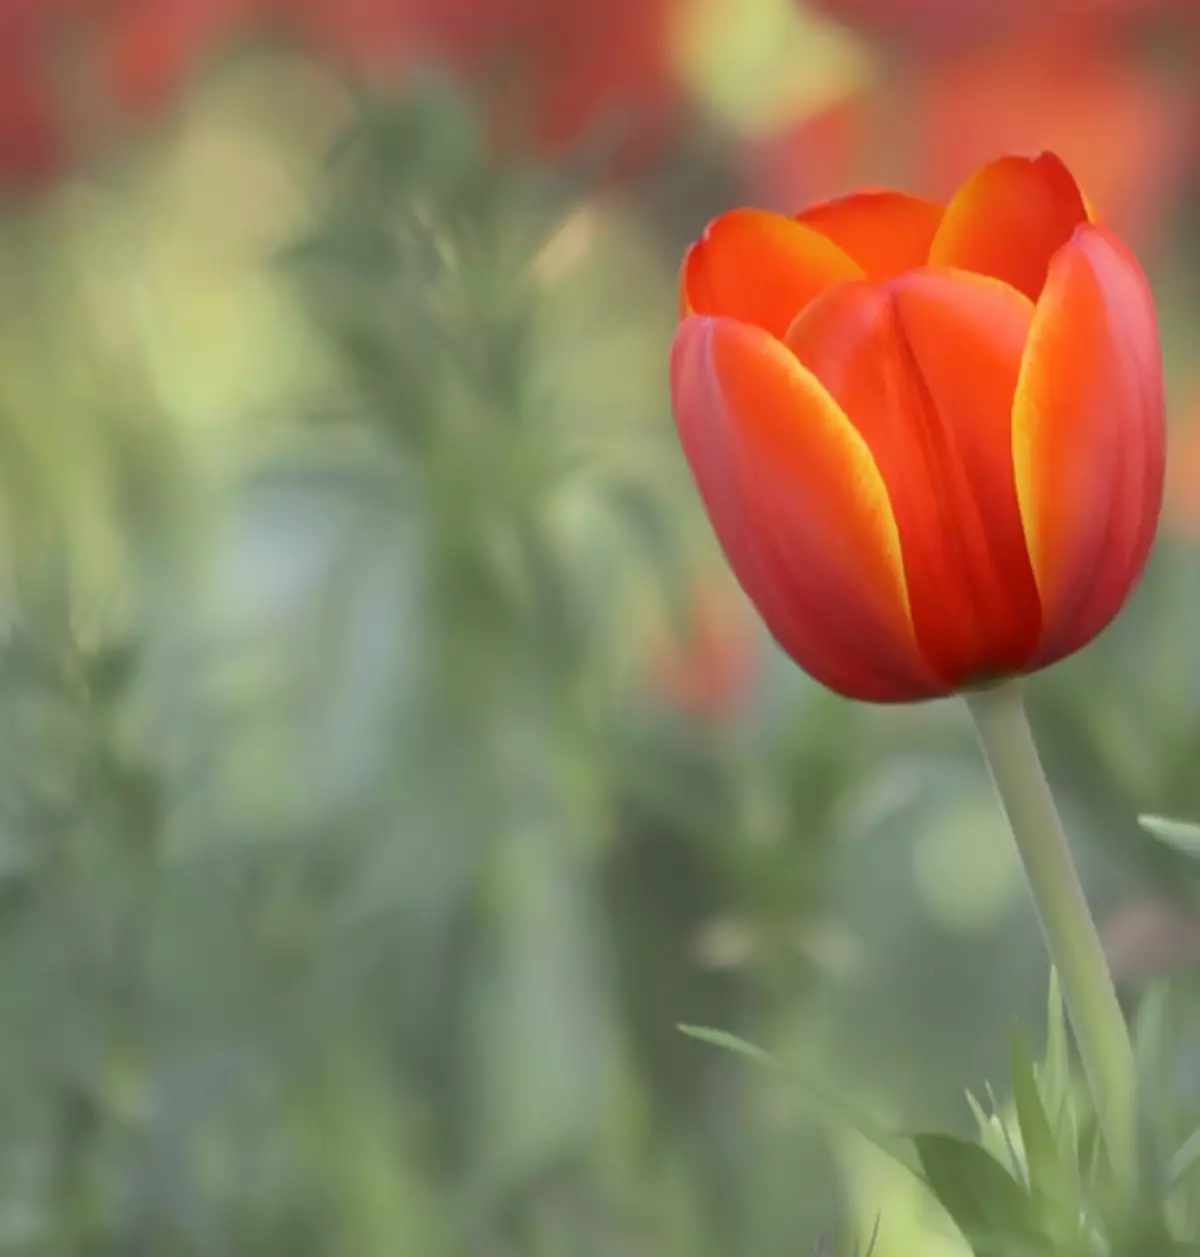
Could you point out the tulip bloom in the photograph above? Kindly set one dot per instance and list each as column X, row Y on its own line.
column 930, row 440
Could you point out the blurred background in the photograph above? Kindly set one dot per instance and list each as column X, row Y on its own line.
column 388, row 764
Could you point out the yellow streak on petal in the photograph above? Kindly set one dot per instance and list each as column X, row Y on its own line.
column 1026, row 423
column 862, row 473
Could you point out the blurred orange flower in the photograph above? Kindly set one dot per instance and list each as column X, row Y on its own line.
column 1182, row 512
column 937, row 24
column 706, row 672
column 1121, row 123
column 929, row 22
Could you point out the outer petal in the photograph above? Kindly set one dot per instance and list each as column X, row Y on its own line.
column 799, row 508
column 926, row 368
column 1088, row 437
column 760, row 268
column 1009, row 219
column 886, row 233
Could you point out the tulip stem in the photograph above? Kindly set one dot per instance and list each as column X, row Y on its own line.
column 1070, row 932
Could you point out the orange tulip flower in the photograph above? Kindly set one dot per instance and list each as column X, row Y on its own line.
column 930, row 440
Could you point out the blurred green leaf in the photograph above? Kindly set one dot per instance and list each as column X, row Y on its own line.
column 995, row 1137
column 1185, row 1160
column 1052, row 1192
column 1151, row 1035
column 1182, row 836
column 825, row 1101
column 987, row 1204
column 730, row 1043
column 1054, row 1076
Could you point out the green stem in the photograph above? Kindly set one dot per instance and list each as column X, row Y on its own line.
column 1067, row 924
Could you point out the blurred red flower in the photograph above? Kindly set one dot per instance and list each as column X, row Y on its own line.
column 553, row 73
column 32, row 146
column 938, row 24
column 1119, row 122
column 1181, row 514
column 928, row 22
column 706, row 672
column 371, row 36
column 548, row 74
column 148, row 48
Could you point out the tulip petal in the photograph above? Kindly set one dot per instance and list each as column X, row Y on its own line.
column 760, row 268
column 886, row 233
column 926, row 366
column 1088, row 437
column 799, row 508
column 1009, row 219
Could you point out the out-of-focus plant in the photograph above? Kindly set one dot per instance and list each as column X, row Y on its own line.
column 467, row 782
column 433, row 841
column 521, row 502
column 78, row 72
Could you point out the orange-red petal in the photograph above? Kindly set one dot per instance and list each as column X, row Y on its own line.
column 760, row 268
column 926, row 368
column 1088, row 437
column 885, row 232
column 799, row 507
column 1009, row 219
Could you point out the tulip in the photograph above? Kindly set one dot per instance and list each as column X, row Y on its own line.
column 930, row 439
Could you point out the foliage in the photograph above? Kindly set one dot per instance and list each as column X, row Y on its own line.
column 354, row 877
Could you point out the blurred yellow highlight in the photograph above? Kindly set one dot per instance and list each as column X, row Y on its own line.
column 761, row 64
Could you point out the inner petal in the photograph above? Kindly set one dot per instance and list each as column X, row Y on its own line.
column 885, row 232
column 926, row 368
column 1009, row 219
column 760, row 268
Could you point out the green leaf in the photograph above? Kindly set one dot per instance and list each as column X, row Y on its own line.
column 1151, row 1044
column 1016, row 1159
column 1183, row 836
column 730, row 1043
column 1054, row 1077
column 985, row 1202
column 1155, row 1061
column 992, row 1135
column 1054, row 1200
column 830, row 1106
column 1184, row 1161
column 1092, row 1159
